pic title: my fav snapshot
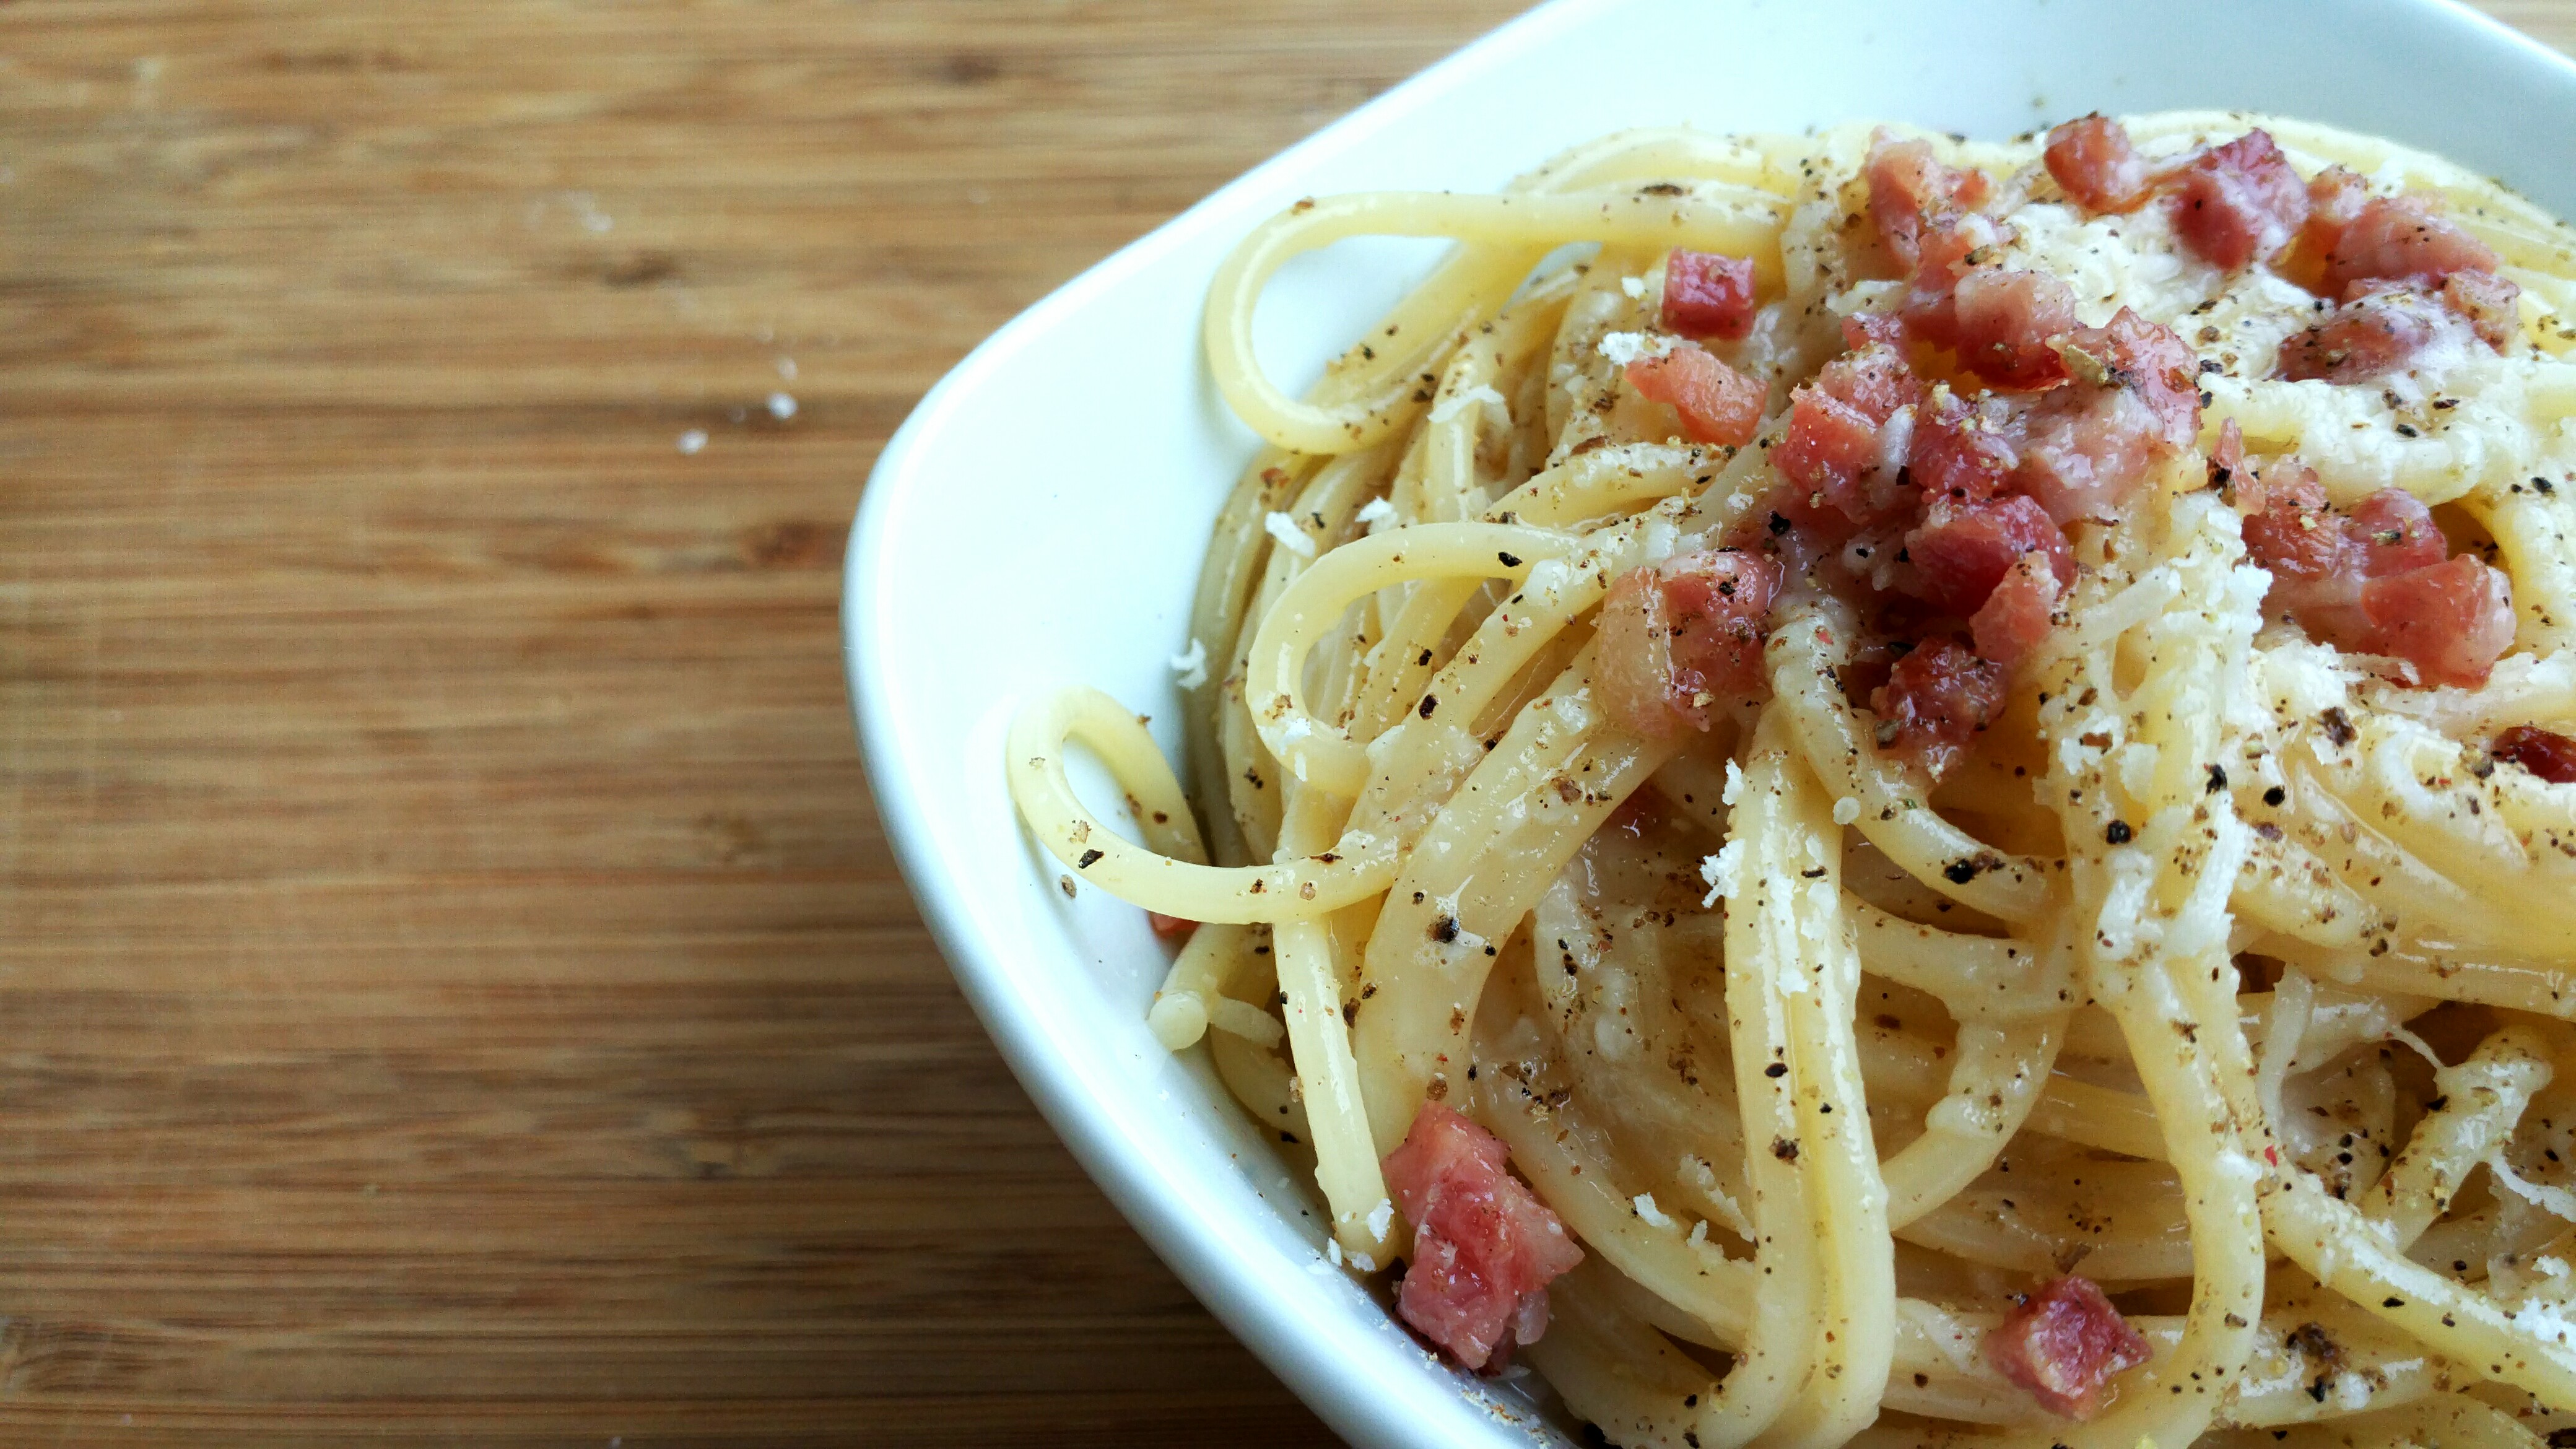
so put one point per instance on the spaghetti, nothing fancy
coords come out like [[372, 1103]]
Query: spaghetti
[[1959, 754]]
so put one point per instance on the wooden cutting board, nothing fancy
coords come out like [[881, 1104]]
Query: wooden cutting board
[[454, 989]]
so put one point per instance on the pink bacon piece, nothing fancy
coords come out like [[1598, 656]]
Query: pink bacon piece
[[2062, 1344], [1935, 701], [1962, 451], [2238, 203], [2402, 239], [2452, 621], [2335, 199], [1833, 455], [1707, 294], [1912, 192], [2545, 753], [2376, 333], [2020, 610], [2134, 400], [2002, 323], [2381, 581], [2091, 158], [1717, 404], [1680, 642], [1961, 551], [1484, 1247]]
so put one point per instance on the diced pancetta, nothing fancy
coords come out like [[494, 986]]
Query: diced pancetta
[[1708, 294], [1484, 1247], [1935, 701], [2134, 399], [2378, 582], [2452, 621], [2238, 203], [2062, 1344], [2091, 158], [2487, 302], [2291, 532], [2394, 533], [2374, 334], [1717, 404], [2148, 360], [1829, 461], [1681, 642], [1842, 457], [2402, 239], [2017, 615], [1874, 379], [1911, 191], [1962, 550], [1865, 330], [2546, 753], [2000, 321], [2335, 197], [1961, 451], [2389, 262]]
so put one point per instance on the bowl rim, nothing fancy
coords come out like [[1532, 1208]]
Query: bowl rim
[[1231, 1289]]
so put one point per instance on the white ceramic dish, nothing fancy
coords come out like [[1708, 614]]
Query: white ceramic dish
[[1039, 518]]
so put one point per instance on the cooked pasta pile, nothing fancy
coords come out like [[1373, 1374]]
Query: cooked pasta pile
[[1957, 751]]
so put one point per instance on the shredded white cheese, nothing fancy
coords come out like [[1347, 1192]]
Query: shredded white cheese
[[1734, 789], [2546, 1320], [1633, 286], [781, 406], [693, 440], [1375, 512], [1191, 666], [1846, 810], [1654, 1216], [1381, 1218], [1622, 348], [1719, 871], [1292, 538]]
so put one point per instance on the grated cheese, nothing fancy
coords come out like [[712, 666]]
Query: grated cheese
[[1191, 666], [1622, 348], [1719, 871], [1292, 538]]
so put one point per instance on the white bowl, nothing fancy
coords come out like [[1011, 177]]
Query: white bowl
[[1039, 519]]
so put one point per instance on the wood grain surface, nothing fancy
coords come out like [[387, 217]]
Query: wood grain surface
[[454, 987]]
